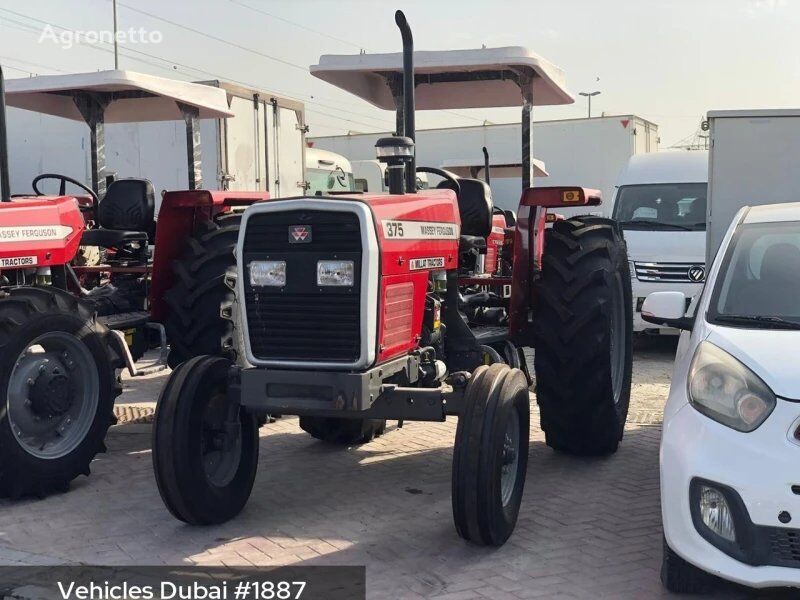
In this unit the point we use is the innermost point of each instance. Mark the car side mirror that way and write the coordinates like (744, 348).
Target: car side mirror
(667, 308)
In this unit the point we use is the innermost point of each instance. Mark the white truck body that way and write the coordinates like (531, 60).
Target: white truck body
(261, 148)
(753, 160)
(661, 203)
(585, 152)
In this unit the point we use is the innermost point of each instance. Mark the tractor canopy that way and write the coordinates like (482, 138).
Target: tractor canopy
(129, 97)
(446, 79)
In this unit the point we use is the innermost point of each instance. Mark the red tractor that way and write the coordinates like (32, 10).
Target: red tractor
(356, 308)
(66, 326)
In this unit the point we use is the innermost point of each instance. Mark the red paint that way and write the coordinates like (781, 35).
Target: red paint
(33, 211)
(179, 216)
(625, 122)
(398, 315)
(495, 242)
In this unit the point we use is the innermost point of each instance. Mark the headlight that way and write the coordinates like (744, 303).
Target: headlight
(336, 272)
(715, 513)
(267, 273)
(725, 390)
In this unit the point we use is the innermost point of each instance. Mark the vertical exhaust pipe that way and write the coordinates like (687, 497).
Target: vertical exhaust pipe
(486, 165)
(5, 192)
(408, 97)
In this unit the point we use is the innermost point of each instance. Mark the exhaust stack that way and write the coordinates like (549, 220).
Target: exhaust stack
(408, 98)
(486, 165)
(5, 188)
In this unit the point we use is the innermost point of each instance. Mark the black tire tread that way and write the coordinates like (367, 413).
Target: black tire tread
(20, 306)
(343, 432)
(572, 336)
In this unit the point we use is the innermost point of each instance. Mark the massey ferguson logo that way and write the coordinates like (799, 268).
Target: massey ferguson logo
(697, 273)
(299, 234)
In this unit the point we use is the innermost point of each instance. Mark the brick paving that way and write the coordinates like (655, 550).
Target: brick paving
(589, 528)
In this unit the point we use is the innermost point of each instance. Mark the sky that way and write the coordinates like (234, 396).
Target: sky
(669, 61)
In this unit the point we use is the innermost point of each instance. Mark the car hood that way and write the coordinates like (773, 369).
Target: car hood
(773, 355)
(666, 246)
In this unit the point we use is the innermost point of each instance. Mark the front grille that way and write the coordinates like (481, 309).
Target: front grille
(667, 272)
(784, 547)
(302, 321)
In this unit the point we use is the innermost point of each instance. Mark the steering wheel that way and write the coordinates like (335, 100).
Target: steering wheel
(449, 177)
(62, 188)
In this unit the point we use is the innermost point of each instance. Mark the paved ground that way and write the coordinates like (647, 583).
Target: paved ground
(589, 528)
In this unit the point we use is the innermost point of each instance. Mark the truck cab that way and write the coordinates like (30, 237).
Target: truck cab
(661, 204)
(371, 176)
(328, 172)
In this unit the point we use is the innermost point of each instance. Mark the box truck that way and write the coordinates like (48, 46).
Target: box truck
(753, 160)
(261, 148)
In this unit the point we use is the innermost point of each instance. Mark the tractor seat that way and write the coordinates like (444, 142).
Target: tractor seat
(475, 207)
(125, 214)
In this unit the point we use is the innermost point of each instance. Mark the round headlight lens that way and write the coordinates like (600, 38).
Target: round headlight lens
(725, 390)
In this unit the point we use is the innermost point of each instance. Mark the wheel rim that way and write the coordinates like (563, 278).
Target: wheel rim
(221, 445)
(617, 333)
(52, 395)
(509, 458)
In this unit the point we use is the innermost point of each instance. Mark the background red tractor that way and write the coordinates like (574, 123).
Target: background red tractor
(359, 308)
(68, 324)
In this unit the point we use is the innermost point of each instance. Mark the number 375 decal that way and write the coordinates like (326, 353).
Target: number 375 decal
(419, 230)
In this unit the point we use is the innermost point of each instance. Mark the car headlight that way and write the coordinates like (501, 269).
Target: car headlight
(725, 390)
(267, 273)
(336, 272)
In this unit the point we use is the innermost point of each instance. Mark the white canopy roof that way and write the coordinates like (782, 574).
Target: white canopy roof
(539, 169)
(362, 75)
(140, 97)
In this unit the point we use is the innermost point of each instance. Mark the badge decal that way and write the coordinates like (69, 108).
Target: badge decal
(299, 234)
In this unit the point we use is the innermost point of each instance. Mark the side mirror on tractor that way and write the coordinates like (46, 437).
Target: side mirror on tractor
(667, 308)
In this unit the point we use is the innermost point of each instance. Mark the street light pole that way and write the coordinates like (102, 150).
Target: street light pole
(589, 96)
(116, 49)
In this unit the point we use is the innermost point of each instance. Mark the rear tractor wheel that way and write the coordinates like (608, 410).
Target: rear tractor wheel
(583, 336)
(490, 458)
(205, 449)
(202, 317)
(57, 389)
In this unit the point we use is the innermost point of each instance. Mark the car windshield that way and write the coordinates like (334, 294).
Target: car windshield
(324, 181)
(673, 206)
(759, 281)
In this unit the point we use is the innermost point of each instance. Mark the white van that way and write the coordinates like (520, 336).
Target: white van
(370, 176)
(328, 172)
(661, 203)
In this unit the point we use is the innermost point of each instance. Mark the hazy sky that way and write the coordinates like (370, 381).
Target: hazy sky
(669, 61)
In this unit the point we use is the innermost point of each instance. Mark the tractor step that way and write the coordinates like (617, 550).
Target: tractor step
(490, 334)
(127, 320)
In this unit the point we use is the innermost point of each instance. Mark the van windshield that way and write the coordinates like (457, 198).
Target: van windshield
(667, 206)
(759, 281)
(323, 181)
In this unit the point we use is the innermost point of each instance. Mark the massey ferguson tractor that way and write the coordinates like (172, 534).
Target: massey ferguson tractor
(352, 311)
(67, 325)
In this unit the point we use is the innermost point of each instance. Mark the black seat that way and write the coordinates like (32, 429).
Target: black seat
(475, 206)
(126, 214)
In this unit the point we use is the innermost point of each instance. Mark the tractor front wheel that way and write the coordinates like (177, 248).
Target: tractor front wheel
(583, 336)
(205, 448)
(57, 389)
(490, 458)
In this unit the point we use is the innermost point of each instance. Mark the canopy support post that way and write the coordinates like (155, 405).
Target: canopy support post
(92, 108)
(524, 83)
(193, 154)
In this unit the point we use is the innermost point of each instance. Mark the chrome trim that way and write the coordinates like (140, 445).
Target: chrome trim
(666, 272)
(370, 259)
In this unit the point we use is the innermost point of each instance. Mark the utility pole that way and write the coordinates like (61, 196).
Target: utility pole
(589, 96)
(116, 49)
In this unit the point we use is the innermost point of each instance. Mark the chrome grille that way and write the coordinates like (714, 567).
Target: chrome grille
(667, 272)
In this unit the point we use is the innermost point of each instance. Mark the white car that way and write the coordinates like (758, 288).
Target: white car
(730, 449)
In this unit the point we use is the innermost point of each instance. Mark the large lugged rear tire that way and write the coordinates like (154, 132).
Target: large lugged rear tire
(57, 388)
(343, 432)
(490, 457)
(583, 336)
(202, 305)
(205, 451)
